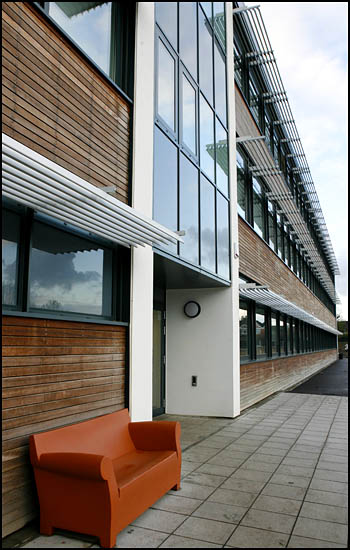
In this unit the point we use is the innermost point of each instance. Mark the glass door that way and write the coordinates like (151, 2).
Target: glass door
(158, 379)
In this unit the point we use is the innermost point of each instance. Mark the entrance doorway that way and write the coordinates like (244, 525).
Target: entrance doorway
(158, 379)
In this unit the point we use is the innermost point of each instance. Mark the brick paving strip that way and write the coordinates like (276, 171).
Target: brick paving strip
(275, 477)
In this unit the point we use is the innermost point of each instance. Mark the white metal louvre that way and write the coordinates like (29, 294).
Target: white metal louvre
(268, 298)
(33, 180)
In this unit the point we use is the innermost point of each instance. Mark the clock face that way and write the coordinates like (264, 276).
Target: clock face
(192, 309)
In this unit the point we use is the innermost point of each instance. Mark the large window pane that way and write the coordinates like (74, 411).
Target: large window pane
(166, 17)
(205, 57)
(10, 248)
(283, 340)
(165, 183)
(66, 273)
(207, 224)
(89, 25)
(221, 158)
(289, 336)
(241, 186)
(207, 6)
(206, 139)
(258, 213)
(166, 85)
(189, 209)
(189, 115)
(220, 83)
(254, 100)
(188, 36)
(260, 331)
(272, 225)
(244, 330)
(274, 334)
(223, 236)
(219, 23)
(279, 236)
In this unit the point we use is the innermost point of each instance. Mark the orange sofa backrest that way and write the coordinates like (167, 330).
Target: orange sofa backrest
(106, 435)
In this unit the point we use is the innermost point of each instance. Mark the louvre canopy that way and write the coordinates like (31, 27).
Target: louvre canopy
(264, 296)
(33, 180)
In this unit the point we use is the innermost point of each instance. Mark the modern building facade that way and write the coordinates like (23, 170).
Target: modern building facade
(163, 245)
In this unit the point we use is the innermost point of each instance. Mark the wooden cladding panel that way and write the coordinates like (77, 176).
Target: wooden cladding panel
(55, 103)
(54, 373)
(258, 262)
(263, 378)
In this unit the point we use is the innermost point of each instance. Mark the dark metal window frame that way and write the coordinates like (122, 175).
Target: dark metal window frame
(119, 275)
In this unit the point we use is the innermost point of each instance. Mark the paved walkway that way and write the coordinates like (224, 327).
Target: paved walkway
(275, 477)
(331, 381)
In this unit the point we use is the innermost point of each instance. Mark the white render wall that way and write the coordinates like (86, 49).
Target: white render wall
(203, 347)
(141, 296)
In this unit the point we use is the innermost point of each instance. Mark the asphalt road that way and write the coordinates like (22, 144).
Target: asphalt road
(331, 381)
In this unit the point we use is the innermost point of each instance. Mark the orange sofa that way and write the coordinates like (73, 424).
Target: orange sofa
(97, 476)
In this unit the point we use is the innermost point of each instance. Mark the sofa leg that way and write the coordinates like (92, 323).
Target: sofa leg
(108, 541)
(176, 487)
(45, 528)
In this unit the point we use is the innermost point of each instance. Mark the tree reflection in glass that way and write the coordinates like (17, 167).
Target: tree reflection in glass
(223, 251)
(221, 158)
(10, 240)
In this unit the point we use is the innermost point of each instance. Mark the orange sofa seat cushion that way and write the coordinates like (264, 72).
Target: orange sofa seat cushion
(129, 467)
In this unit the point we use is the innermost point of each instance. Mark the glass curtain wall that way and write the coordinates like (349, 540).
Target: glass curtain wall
(191, 187)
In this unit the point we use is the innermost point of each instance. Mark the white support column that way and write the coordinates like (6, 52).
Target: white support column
(233, 206)
(141, 299)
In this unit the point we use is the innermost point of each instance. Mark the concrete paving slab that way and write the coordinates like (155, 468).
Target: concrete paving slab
(237, 498)
(175, 541)
(271, 521)
(278, 504)
(206, 529)
(303, 542)
(249, 537)
(159, 520)
(321, 530)
(137, 537)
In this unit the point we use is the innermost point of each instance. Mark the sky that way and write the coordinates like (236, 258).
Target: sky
(309, 40)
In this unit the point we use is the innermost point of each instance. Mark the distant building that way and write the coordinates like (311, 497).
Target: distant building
(151, 159)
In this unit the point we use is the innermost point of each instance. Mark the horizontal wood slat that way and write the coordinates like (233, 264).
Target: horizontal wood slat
(258, 262)
(263, 378)
(54, 373)
(58, 105)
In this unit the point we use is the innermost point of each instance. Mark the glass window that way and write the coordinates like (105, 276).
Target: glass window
(67, 273)
(207, 224)
(274, 334)
(166, 17)
(207, 7)
(10, 255)
(242, 195)
(206, 138)
(205, 57)
(295, 336)
(165, 183)
(289, 336)
(258, 212)
(223, 237)
(279, 236)
(89, 25)
(238, 61)
(244, 330)
(219, 23)
(260, 331)
(286, 246)
(272, 225)
(220, 83)
(221, 158)
(188, 36)
(166, 86)
(189, 209)
(283, 340)
(189, 136)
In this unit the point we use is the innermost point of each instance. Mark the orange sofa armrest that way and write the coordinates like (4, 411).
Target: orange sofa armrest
(156, 436)
(81, 465)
